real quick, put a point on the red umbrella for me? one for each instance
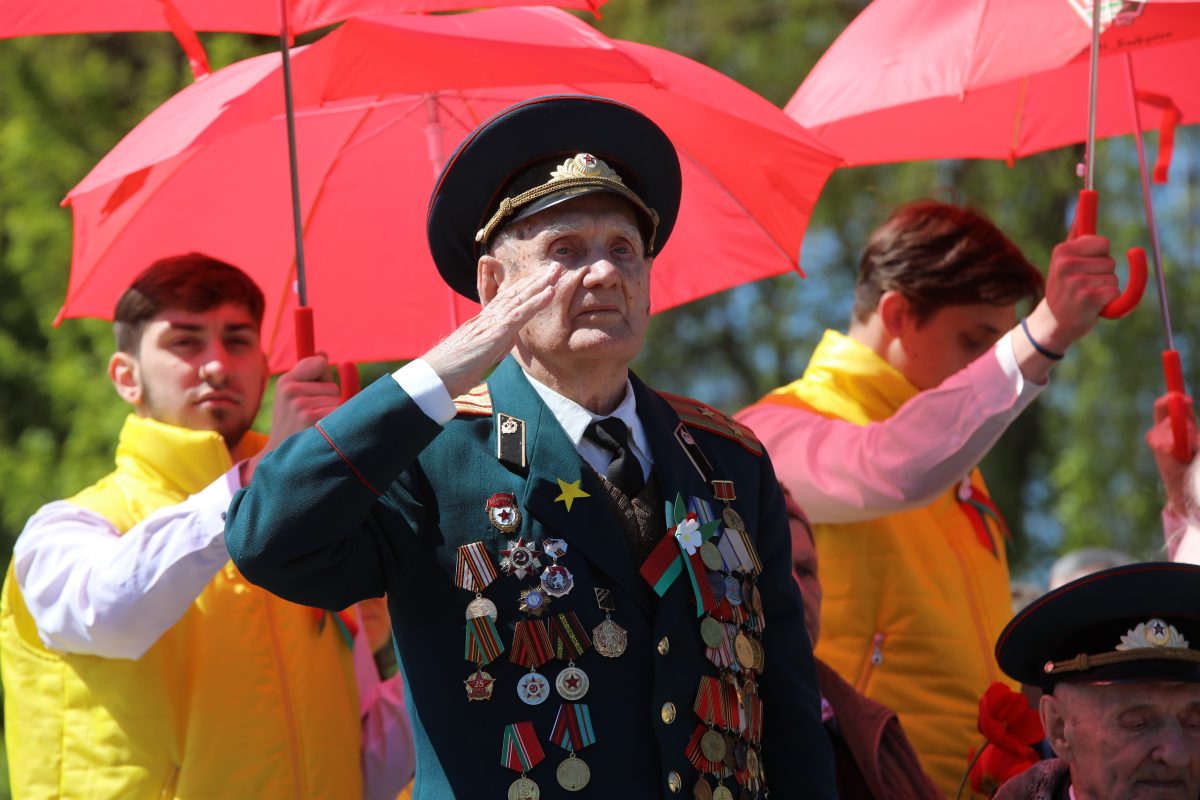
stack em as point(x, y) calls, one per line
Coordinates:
point(380, 103)
point(1005, 79)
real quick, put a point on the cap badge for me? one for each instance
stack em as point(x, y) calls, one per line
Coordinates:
point(584, 165)
point(1152, 633)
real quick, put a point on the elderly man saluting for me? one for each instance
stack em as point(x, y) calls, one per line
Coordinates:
point(1116, 654)
point(590, 582)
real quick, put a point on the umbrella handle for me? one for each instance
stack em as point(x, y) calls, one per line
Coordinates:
point(306, 344)
point(1085, 225)
point(1177, 403)
point(347, 372)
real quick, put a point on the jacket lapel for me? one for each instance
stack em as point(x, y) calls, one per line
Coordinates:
point(676, 475)
point(561, 491)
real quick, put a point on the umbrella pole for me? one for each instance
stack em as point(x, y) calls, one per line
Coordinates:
point(1085, 214)
point(305, 343)
point(1172, 365)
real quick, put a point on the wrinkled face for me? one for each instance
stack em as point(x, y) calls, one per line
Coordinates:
point(201, 370)
point(948, 340)
point(601, 305)
point(1136, 741)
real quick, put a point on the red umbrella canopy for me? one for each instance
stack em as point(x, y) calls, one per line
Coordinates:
point(36, 17)
point(995, 78)
point(380, 104)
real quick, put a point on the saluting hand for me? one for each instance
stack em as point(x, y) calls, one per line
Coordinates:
point(464, 357)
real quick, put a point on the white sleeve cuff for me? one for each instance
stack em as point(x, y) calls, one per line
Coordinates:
point(426, 389)
point(1025, 390)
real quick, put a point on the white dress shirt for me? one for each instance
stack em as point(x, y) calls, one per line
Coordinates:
point(842, 472)
point(426, 389)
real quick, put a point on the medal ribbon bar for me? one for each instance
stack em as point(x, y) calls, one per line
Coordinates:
point(483, 641)
point(520, 751)
point(568, 636)
point(475, 569)
point(573, 727)
point(531, 644)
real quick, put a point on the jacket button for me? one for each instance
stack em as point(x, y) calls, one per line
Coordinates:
point(668, 713)
point(674, 782)
point(664, 646)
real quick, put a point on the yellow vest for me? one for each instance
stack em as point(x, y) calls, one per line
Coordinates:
point(913, 601)
point(246, 696)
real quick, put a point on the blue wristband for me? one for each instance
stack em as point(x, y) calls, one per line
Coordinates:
point(1050, 354)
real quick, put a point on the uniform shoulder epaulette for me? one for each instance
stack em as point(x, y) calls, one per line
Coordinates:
point(706, 418)
point(477, 402)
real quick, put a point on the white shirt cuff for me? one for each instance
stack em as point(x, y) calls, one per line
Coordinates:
point(426, 389)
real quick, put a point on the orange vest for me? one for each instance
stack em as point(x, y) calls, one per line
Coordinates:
point(244, 697)
point(913, 601)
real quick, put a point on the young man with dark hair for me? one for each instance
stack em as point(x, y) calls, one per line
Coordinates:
point(137, 661)
point(879, 440)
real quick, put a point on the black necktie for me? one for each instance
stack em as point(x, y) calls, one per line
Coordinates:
point(624, 471)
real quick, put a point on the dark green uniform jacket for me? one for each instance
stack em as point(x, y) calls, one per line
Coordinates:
point(379, 498)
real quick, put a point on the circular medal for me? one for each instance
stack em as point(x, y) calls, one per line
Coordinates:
point(572, 683)
point(756, 604)
point(533, 688)
point(573, 774)
point(711, 557)
point(712, 744)
point(744, 651)
point(716, 582)
point(710, 632)
point(733, 519)
point(557, 580)
point(733, 590)
point(524, 789)
point(702, 791)
point(752, 765)
point(482, 607)
point(533, 601)
point(609, 638)
point(760, 657)
point(479, 686)
point(721, 793)
point(739, 755)
point(730, 756)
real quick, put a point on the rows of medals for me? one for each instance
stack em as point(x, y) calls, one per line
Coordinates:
point(542, 636)
point(725, 745)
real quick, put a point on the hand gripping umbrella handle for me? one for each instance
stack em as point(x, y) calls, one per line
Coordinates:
point(1177, 403)
point(306, 346)
point(1085, 225)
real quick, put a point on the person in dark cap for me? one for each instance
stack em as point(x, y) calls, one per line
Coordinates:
point(1116, 654)
point(589, 581)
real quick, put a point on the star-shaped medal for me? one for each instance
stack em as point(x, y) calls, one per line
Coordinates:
point(479, 686)
point(570, 492)
point(519, 559)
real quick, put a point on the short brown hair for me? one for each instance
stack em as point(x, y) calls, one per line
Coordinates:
point(194, 282)
point(938, 254)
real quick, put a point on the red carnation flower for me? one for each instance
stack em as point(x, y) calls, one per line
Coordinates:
point(995, 766)
point(1007, 721)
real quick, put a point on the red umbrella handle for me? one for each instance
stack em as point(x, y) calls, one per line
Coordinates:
point(1085, 224)
point(306, 346)
point(1177, 403)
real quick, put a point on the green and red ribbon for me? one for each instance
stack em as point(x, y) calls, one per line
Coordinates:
point(573, 727)
point(520, 750)
point(670, 556)
point(483, 641)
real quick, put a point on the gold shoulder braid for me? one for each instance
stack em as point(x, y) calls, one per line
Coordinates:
point(476, 402)
point(583, 170)
point(703, 416)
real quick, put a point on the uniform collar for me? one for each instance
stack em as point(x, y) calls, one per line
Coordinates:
point(574, 418)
